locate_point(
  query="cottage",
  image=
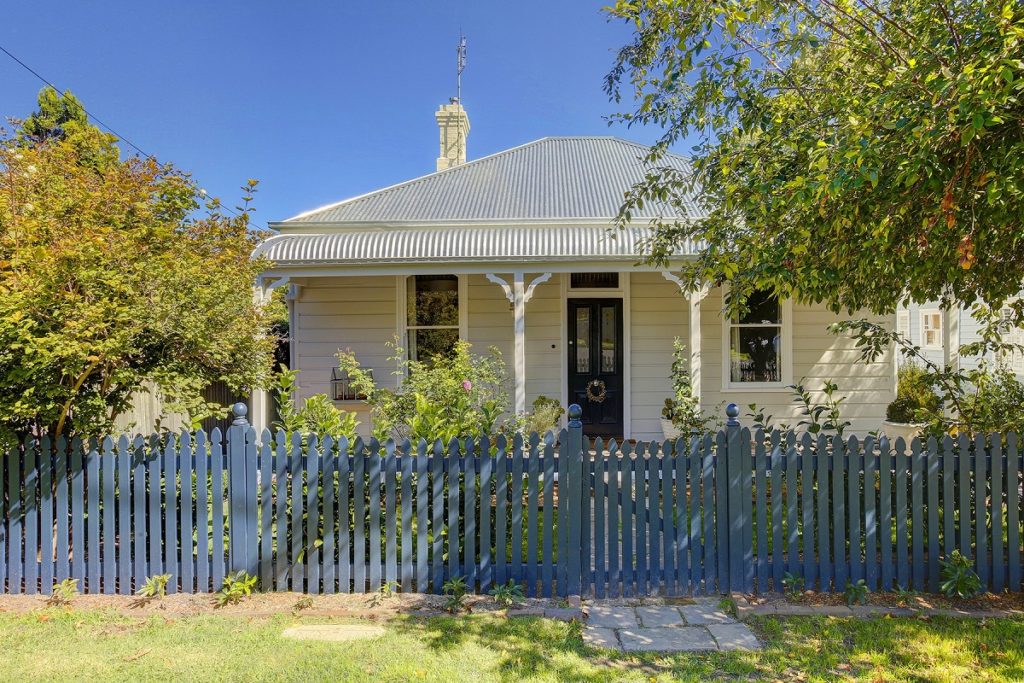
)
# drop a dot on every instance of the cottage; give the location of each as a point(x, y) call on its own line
point(516, 250)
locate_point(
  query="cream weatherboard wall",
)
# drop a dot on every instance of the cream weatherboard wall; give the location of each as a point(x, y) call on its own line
point(817, 356)
point(362, 313)
point(658, 314)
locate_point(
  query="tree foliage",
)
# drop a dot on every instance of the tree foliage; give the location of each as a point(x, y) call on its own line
point(109, 280)
point(855, 152)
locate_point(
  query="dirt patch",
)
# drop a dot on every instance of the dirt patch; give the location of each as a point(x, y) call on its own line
point(366, 606)
point(924, 601)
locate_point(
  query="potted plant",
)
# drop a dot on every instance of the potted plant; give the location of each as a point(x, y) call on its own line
point(668, 418)
point(916, 404)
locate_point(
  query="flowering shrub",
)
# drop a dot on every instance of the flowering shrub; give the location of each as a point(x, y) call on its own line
point(451, 396)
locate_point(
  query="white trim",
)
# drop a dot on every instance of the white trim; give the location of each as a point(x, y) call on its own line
point(903, 323)
point(922, 314)
point(951, 338)
point(786, 324)
point(694, 300)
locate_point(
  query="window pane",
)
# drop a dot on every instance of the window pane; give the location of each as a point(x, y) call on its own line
point(594, 280)
point(582, 340)
point(756, 354)
point(608, 339)
point(763, 309)
point(433, 300)
point(426, 344)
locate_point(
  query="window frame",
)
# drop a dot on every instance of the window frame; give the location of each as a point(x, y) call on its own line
point(903, 323)
point(922, 337)
point(786, 371)
point(402, 311)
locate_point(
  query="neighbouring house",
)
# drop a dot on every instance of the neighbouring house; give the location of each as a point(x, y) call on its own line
point(516, 250)
point(940, 332)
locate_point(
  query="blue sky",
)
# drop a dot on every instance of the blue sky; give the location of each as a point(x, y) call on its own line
point(318, 100)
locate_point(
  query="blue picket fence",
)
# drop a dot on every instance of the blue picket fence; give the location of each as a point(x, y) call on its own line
point(732, 511)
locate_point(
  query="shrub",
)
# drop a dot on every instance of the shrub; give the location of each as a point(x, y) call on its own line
point(995, 406)
point(236, 587)
point(318, 414)
point(456, 589)
point(63, 592)
point(916, 399)
point(683, 407)
point(958, 577)
point(856, 593)
point(448, 397)
point(155, 587)
point(508, 594)
point(546, 414)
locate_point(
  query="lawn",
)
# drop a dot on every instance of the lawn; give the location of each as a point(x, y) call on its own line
point(66, 645)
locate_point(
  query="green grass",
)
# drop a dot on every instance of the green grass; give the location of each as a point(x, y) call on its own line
point(69, 645)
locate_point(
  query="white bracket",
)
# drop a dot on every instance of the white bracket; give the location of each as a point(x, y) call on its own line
point(507, 288)
point(695, 296)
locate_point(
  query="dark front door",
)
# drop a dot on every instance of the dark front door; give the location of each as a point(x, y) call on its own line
point(595, 364)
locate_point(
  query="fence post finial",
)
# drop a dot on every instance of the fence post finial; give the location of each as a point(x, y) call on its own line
point(732, 411)
point(575, 413)
point(239, 410)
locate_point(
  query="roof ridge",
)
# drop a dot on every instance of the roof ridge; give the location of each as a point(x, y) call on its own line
point(468, 165)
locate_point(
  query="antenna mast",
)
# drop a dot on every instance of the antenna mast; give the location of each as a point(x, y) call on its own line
point(460, 64)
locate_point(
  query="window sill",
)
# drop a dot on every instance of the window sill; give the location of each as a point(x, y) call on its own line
point(757, 389)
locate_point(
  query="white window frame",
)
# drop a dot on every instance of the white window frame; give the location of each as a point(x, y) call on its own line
point(924, 314)
point(1012, 360)
point(903, 323)
point(786, 325)
point(402, 325)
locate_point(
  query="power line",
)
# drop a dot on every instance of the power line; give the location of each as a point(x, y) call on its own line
point(93, 116)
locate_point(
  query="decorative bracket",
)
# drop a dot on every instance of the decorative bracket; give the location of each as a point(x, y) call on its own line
point(698, 294)
point(507, 288)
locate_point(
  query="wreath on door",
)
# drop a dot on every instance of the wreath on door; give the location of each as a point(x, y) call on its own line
point(596, 391)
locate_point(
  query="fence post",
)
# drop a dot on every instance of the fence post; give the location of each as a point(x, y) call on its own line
point(238, 554)
point(734, 495)
point(574, 500)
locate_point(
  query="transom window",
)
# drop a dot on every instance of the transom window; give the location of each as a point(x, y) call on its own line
point(594, 281)
point(432, 315)
point(756, 342)
point(931, 329)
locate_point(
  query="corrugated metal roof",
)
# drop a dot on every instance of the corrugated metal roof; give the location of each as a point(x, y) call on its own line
point(518, 243)
point(551, 178)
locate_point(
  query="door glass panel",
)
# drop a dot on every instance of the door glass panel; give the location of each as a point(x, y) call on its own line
point(582, 340)
point(608, 339)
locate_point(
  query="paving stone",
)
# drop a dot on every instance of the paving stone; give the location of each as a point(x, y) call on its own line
point(612, 616)
point(599, 636)
point(667, 639)
point(563, 613)
point(734, 637)
point(701, 615)
point(333, 632)
point(526, 612)
point(653, 617)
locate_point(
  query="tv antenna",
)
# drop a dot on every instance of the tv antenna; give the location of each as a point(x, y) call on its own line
point(460, 64)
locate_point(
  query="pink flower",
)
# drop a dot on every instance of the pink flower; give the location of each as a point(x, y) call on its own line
point(467, 385)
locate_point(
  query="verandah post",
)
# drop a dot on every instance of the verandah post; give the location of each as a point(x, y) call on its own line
point(574, 499)
point(238, 555)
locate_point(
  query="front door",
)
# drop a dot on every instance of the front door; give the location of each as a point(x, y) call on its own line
point(595, 364)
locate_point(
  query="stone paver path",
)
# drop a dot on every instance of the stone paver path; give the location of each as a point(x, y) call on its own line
point(666, 628)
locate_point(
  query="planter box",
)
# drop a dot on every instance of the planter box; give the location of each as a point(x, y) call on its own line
point(907, 430)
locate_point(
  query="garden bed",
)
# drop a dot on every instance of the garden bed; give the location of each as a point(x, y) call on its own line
point(366, 606)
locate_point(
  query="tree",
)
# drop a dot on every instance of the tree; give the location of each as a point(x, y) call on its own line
point(854, 152)
point(109, 279)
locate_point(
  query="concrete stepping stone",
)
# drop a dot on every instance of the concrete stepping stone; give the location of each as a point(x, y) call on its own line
point(611, 616)
point(702, 615)
point(667, 639)
point(334, 633)
point(734, 637)
point(655, 617)
point(600, 636)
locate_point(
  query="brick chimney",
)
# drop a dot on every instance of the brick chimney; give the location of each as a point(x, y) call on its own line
point(454, 126)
